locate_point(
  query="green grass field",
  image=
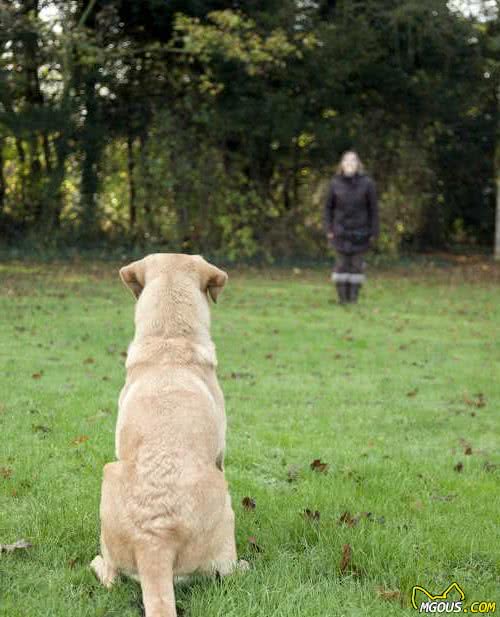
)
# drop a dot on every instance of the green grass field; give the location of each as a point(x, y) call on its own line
point(399, 396)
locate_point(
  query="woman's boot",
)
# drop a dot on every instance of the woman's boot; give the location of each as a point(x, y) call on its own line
point(343, 292)
point(356, 280)
point(354, 292)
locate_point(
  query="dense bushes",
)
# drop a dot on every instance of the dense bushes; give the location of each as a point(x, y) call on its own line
point(218, 131)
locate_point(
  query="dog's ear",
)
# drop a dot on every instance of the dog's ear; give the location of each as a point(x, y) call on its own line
point(212, 280)
point(134, 276)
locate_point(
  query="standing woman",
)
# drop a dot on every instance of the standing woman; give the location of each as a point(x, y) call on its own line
point(351, 221)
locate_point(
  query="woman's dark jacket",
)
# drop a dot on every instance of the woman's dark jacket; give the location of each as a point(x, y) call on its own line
point(351, 213)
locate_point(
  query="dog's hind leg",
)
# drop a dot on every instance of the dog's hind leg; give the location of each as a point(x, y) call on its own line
point(116, 553)
point(156, 574)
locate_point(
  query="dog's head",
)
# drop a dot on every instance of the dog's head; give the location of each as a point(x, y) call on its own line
point(206, 277)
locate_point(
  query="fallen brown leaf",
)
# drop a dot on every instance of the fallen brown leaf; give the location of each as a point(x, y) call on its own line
point(345, 560)
point(235, 375)
point(5, 472)
point(388, 594)
point(346, 518)
point(89, 361)
point(413, 392)
point(459, 467)
point(490, 467)
point(353, 475)
point(19, 545)
point(443, 497)
point(40, 428)
point(80, 439)
point(479, 401)
point(253, 544)
point(318, 466)
point(292, 473)
point(468, 451)
point(311, 515)
point(248, 503)
point(37, 375)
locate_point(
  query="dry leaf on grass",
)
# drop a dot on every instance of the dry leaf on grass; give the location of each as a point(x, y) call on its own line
point(89, 361)
point(388, 594)
point(346, 518)
point(5, 472)
point(292, 473)
point(311, 515)
point(235, 375)
point(478, 401)
point(490, 467)
point(443, 497)
point(19, 545)
point(40, 428)
point(345, 561)
point(80, 439)
point(248, 503)
point(459, 467)
point(37, 375)
point(318, 466)
point(253, 544)
point(413, 392)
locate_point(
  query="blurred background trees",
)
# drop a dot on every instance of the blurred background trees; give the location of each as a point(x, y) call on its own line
point(215, 127)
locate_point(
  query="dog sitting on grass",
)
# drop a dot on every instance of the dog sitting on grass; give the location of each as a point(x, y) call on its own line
point(165, 507)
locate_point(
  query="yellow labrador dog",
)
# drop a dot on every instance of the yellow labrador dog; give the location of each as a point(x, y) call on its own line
point(165, 507)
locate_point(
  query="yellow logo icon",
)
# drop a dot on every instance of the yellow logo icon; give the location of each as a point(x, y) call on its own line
point(442, 596)
point(439, 603)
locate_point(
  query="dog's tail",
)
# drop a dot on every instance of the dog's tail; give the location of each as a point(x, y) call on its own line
point(155, 567)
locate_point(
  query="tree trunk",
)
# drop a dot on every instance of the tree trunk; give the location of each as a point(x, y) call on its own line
point(2, 179)
point(147, 182)
point(132, 206)
point(57, 178)
point(21, 155)
point(92, 145)
point(34, 98)
point(497, 227)
point(497, 172)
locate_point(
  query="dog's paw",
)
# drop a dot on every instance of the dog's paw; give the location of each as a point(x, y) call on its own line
point(105, 574)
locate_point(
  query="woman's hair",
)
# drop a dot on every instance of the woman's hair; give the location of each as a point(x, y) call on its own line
point(361, 168)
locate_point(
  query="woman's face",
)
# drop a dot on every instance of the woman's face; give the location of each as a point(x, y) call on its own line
point(349, 164)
